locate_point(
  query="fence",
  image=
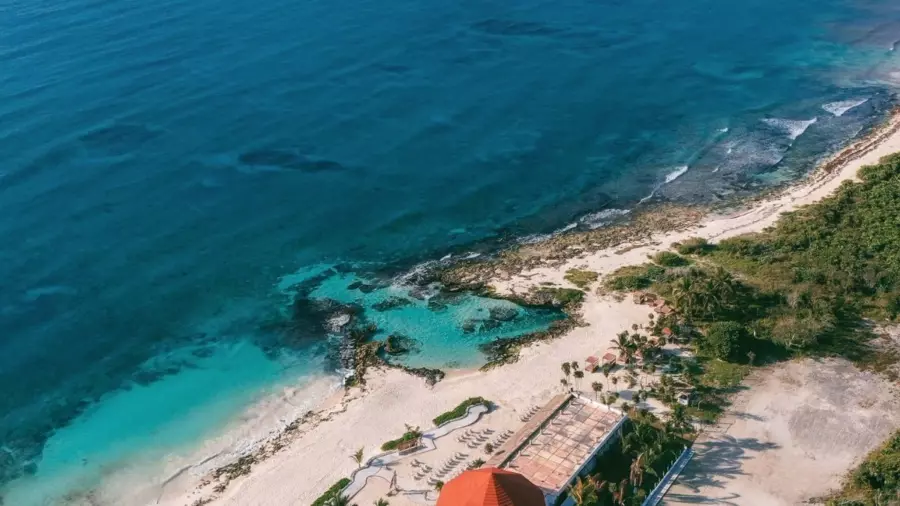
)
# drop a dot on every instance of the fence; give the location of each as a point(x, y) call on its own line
point(669, 478)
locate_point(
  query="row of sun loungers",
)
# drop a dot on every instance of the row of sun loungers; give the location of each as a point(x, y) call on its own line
point(530, 413)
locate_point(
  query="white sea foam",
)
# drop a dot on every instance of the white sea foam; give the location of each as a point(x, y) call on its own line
point(675, 174)
point(839, 108)
point(601, 218)
point(793, 127)
point(723, 130)
point(534, 238)
point(336, 323)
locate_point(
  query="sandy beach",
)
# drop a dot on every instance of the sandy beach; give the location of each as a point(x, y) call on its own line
point(318, 453)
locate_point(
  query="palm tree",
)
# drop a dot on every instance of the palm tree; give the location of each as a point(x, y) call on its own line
point(621, 343)
point(684, 296)
point(564, 382)
point(597, 387)
point(578, 376)
point(678, 421)
point(606, 371)
point(438, 486)
point(615, 381)
point(636, 474)
point(566, 369)
point(381, 502)
point(574, 365)
point(724, 284)
point(340, 500)
point(583, 491)
point(358, 457)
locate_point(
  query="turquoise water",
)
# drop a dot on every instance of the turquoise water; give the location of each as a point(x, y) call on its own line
point(174, 174)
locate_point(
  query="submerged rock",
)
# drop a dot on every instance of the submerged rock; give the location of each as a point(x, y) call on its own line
point(391, 303)
point(489, 325)
point(288, 160)
point(437, 306)
point(503, 313)
point(398, 344)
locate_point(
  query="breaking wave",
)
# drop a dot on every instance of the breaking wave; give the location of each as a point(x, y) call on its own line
point(601, 218)
point(839, 108)
point(793, 127)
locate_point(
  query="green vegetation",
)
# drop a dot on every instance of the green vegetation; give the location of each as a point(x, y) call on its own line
point(693, 246)
point(635, 277)
point(460, 410)
point(581, 278)
point(803, 287)
point(876, 481)
point(411, 434)
point(725, 340)
point(669, 259)
point(332, 493)
point(628, 472)
point(560, 297)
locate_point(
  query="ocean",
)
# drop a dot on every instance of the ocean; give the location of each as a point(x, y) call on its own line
point(176, 176)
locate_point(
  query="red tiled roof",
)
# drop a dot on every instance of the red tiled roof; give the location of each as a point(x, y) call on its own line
point(490, 487)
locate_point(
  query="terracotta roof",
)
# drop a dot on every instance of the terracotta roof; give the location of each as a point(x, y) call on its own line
point(490, 487)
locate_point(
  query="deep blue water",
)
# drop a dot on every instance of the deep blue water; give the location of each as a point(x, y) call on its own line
point(169, 170)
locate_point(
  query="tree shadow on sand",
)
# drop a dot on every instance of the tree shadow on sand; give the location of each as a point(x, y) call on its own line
point(715, 462)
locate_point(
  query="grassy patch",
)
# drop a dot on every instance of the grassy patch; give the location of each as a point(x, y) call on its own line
point(331, 493)
point(560, 297)
point(720, 374)
point(635, 277)
point(669, 259)
point(693, 246)
point(460, 410)
point(876, 481)
point(581, 278)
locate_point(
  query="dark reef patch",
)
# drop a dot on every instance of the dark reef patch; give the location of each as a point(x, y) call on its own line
point(119, 138)
point(288, 160)
point(511, 28)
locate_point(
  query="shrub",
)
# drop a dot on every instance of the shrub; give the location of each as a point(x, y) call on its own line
point(560, 297)
point(635, 277)
point(581, 278)
point(693, 246)
point(799, 332)
point(725, 340)
point(410, 434)
point(881, 470)
point(331, 493)
point(669, 259)
point(460, 410)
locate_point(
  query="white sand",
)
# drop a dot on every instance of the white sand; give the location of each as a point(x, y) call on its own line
point(321, 456)
point(791, 436)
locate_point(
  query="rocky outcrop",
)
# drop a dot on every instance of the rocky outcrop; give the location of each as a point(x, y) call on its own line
point(478, 273)
point(398, 344)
